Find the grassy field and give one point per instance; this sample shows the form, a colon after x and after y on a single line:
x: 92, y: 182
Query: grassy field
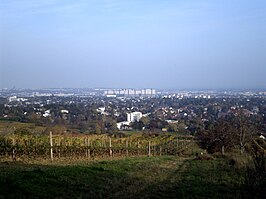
x: 184, y: 176
x: 142, y: 177
x: 10, y: 126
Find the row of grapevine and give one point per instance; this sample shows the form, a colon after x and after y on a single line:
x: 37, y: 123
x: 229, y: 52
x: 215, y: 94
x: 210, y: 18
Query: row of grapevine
x: 89, y: 147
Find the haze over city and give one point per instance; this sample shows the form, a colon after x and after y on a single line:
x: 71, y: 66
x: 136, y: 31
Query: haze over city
x: 138, y: 44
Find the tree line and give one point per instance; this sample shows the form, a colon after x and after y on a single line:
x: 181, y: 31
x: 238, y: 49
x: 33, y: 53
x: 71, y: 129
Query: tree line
x: 229, y: 133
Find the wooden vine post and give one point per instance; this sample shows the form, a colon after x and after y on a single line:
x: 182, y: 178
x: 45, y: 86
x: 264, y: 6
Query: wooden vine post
x: 138, y: 147
x: 88, y: 148
x: 59, y: 146
x: 127, y: 147
x: 36, y: 143
x: 177, y: 143
x: 110, y: 146
x: 149, y: 149
x: 51, y: 146
x: 13, y: 150
x: 85, y: 147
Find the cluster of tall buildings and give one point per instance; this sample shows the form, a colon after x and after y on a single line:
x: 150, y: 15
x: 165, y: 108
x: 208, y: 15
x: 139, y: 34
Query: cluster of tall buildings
x: 131, y: 92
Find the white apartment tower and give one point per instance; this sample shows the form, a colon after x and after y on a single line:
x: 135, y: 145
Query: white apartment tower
x: 135, y: 116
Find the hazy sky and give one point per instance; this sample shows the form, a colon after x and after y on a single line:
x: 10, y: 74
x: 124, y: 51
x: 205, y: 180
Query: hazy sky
x: 125, y: 43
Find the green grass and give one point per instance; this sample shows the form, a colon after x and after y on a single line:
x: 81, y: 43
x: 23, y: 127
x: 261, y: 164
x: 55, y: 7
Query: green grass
x: 9, y: 126
x: 154, y: 177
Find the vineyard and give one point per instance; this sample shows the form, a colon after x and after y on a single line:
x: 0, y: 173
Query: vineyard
x: 90, y: 147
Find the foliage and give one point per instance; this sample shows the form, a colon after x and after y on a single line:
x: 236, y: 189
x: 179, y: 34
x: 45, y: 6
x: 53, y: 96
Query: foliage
x: 172, y: 127
x: 226, y: 134
x: 22, y: 131
x: 137, y: 125
x: 255, y: 179
x: 90, y: 146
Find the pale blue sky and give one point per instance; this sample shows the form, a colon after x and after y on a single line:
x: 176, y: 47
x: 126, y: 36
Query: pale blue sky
x: 178, y: 44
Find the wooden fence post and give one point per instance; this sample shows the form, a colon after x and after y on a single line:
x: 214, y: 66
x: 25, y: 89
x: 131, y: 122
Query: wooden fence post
x: 127, y: 147
x: 59, y: 146
x: 85, y: 147
x: 13, y: 150
x: 51, y: 146
x: 138, y: 147
x: 36, y: 143
x: 149, y: 149
x: 71, y: 150
x: 110, y: 147
x: 88, y: 149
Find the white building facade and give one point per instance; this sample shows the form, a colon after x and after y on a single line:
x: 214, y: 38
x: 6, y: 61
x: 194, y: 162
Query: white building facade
x: 135, y: 116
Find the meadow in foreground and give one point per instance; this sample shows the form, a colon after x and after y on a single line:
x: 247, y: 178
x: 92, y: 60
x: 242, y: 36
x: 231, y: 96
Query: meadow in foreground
x: 141, y: 177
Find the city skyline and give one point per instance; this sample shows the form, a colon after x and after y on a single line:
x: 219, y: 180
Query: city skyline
x: 133, y: 44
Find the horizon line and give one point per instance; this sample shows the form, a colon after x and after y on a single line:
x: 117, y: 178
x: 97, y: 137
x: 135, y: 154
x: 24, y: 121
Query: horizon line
x: 160, y: 89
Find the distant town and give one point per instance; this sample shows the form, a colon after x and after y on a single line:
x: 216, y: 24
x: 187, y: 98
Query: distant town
x: 112, y: 110
x: 128, y: 92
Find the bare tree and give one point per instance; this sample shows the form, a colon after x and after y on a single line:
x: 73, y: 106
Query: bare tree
x: 244, y: 130
x: 218, y: 136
